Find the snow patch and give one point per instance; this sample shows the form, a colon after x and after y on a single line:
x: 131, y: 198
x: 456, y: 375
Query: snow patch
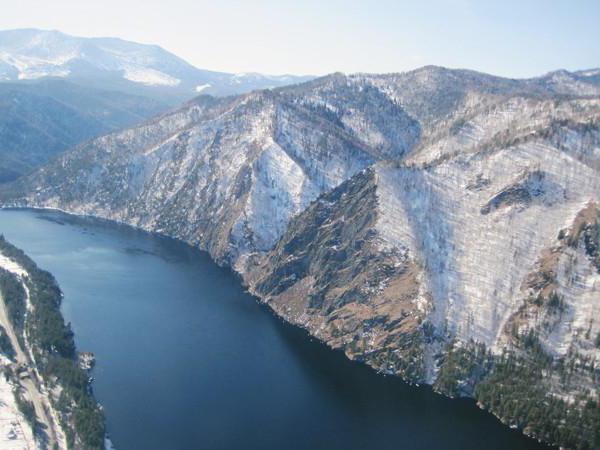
x: 149, y: 77
x: 15, y: 432
x: 11, y: 266
x: 202, y: 87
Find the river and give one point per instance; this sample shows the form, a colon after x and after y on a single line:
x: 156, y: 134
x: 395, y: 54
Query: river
x: 187, y: 360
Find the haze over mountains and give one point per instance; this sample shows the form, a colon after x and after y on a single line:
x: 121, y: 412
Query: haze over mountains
x: 40, y: 120
x: 57, y: 91
x: 113, y: 63
x: 441, y: 225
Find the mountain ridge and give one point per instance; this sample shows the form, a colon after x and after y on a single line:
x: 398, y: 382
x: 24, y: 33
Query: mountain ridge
x: 114, y: 63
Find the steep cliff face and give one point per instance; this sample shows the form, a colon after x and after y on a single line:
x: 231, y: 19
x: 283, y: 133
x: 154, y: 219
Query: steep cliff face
x: 478, y: 246
x: 476, y: 222
x: 439, y: 225
x: 331, y: 274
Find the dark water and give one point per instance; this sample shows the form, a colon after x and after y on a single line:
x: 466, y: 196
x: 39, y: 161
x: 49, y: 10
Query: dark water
x: 187, y: 360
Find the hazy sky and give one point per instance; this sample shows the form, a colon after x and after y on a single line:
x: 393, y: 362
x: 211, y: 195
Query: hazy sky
x: 516, y: 38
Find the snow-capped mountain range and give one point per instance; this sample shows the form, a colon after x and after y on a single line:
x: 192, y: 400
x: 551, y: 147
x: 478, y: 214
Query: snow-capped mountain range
x: 58, y: 90
x: 30, y: 54
x: 440, y: 225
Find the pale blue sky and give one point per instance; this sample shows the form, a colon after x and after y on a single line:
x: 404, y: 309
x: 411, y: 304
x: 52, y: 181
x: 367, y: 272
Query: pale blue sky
x: 516, y: 38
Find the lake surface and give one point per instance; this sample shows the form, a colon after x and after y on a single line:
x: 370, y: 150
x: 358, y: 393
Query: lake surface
x: 187, y: 360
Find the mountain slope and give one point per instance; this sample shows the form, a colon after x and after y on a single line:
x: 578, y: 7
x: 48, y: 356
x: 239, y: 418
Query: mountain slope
x: 40, y: 120
x: 455, y: 214
x: 247, y: 163
x: 440, y: 225
x: 465, y: 270
x: 115, y: 64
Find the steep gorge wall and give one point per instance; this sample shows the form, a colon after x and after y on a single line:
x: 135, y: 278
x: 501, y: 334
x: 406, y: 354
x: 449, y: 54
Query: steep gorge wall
x: 404, y: 240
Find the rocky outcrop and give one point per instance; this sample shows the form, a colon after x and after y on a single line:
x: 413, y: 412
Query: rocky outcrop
x: 329, y: 275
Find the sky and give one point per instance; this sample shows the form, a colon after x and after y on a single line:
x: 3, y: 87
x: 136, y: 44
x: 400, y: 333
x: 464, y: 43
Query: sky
x: 514, y: 38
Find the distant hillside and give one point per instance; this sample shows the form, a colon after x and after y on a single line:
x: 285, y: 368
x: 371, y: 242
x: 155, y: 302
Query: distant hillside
x: 57, y: 91
x: 38, y: 120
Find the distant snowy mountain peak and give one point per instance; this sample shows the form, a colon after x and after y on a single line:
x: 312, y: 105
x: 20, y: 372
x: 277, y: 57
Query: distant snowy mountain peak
x: 37, y: 54
x: 29, y: 54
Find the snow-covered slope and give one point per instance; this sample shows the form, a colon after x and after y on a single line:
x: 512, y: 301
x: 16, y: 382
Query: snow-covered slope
x: 472, y: 265
x: 439, y: 225
x: 489, y: 198
x: 248, y: 164
x: 29, y: 54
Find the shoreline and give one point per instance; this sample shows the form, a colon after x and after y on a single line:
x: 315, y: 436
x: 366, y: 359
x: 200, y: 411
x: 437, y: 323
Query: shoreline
x: 275, y: 313
x: 29, y: 379
x: 52, y: 390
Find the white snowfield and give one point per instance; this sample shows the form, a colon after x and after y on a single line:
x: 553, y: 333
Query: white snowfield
x: 15, y: 432
x: 11, y: 266
x: 150, y: 77
x: 202, y: 87
x: 32, y: 67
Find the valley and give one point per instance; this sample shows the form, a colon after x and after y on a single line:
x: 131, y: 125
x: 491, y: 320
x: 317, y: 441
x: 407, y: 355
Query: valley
x: 58, y: 91
x: 405, y: 219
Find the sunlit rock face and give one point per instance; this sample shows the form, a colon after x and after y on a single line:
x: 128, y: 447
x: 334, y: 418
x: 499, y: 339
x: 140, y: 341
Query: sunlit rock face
x: 472, y: 215
x: 405, y: 219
